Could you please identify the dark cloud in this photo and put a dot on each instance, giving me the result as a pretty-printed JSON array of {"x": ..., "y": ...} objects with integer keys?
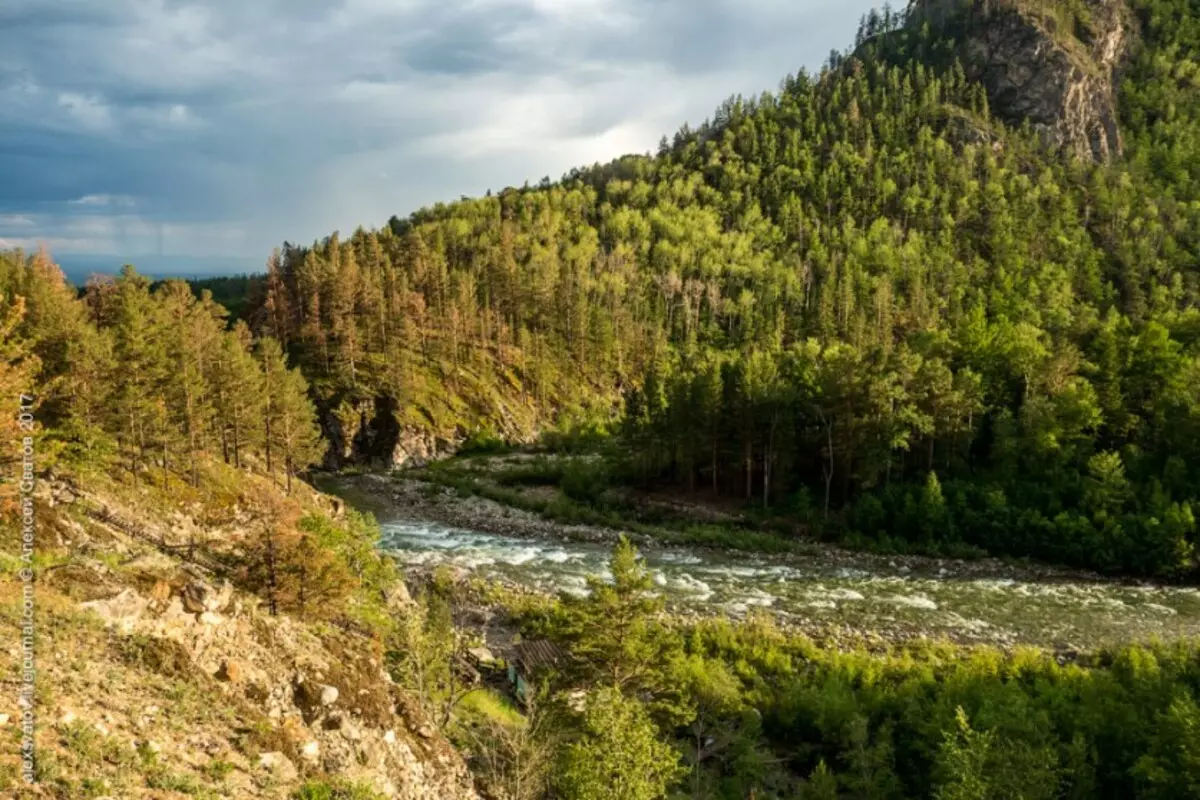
[{"x": 219, "y": 128}]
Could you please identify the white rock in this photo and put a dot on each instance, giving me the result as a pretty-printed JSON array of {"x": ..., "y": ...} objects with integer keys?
[
  {"x": 311, "y": 751},
  {"x": 279, "y": 764},
  {"x": 121, "y": 610},
  {"x": 67, "y": 718},
  {"x": 3, "y": 719},
  {"x": 390, "y": 737},
  {"x": 211, "y": 618},
  {"x": 329, "y": 695}
]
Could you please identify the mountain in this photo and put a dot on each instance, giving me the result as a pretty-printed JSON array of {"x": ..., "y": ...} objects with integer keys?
[
  {"x": 966, "y": 247},
  {"x": 941, "y": 296}
]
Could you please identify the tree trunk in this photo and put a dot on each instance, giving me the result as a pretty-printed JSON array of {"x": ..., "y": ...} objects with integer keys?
[
  {"x": 829, "y": 471},
  {"x": 271, "y": 578}
]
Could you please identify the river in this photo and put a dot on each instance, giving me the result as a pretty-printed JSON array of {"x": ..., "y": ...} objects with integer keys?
[{"x": 889, "y": 598}]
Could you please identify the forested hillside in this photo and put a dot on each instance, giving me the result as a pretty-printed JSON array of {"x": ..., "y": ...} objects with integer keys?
[
  {"x": 151, "y": 381},
  {"x": 871, "y": 294}
]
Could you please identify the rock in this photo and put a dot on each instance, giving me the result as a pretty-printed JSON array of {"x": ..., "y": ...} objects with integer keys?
[
  {"x": 329, "y": 695},
  {"x": 426, "y": 731},
  {"x": 122, "y": 610},
  {"x": 481, "y": 655},
  {"x": 161, "y": 592},
  {"x": 279, "y": 765},
  {"x": 310, "y": 751},
  {"x": 67, "y": 718},
  {"x": 199, "y": 597},
  {"x": 211, "y": 618},
  {"x": 390, "y": 736},
  {"x": 399, "y": 598},
  {"x": 231, "y": 671},
  {"x": 1063, "y": 82},
  {"x": 193, "y": 596}
]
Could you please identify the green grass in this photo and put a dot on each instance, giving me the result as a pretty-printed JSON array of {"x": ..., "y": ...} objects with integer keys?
[{"x": 486, "y": 704}]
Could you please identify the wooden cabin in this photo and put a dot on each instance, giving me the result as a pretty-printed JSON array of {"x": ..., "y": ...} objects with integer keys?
[{"x": 528, "y": 659}]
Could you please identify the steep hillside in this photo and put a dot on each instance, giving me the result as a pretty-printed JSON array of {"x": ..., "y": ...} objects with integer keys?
[
  {"x": 957, "y": 268},
  {"x": 159, "y": 677}
]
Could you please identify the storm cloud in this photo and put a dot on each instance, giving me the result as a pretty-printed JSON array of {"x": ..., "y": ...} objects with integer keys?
[{"x": 166, "y": 129}]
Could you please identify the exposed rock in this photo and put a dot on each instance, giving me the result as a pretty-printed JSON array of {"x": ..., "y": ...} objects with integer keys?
[
  {"x": 160, "y": 592},
  {"x": 232, "y": 671},
  {"x": 122, "y": 610},
  {"x": 279, "y": 765},
  {"x": 329, "y": 695},
  {"x": 481, "y": 655},
  {"x": 417, "y": 448},
  {"x": 311, "y": 751},
  {"x": 399, "y": 598},
  {"x": 198, "y": 597},
  {"x": 1062, "y": 82}
]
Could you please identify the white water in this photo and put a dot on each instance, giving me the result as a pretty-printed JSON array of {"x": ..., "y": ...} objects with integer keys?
[{"x": 992, "y": 609}]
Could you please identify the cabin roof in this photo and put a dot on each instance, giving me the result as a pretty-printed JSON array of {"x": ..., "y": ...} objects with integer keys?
[{"x": 537, "y": 654}]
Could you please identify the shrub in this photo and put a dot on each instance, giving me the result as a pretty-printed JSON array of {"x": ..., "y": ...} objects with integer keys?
[
  {"x": 585, "y": 481},
  {"x": 337, "y": 790},
  {"x": 483, "y": 443}
]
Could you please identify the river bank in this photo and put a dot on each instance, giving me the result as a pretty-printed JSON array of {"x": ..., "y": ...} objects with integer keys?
[{"x": 836, "y": 596}]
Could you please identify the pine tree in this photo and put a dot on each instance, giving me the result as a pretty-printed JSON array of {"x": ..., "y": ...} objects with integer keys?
[{"x": 290, "y": 432}]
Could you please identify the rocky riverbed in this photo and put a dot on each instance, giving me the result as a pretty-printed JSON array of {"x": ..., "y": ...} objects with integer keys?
[{"x": 830, "y": 593}]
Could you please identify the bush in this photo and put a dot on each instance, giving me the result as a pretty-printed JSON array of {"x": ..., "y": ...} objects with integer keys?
[
  {"x": 585, "y": 481},
  {"x": 483, "y": 443},
  {"x": 338, "y": 790}
]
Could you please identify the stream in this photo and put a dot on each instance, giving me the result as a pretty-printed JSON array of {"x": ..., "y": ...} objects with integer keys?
[{"x": 896, "y": 601}]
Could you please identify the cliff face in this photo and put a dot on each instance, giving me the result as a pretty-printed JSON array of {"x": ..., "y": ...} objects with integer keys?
[{"x": 1057, "y": 70}]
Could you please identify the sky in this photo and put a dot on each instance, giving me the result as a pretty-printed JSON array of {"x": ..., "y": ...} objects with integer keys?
[{"x": 193, "y": 137}]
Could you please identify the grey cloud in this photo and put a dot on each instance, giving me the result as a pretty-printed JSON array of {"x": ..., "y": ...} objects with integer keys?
[{"x": 241, "y": 123}]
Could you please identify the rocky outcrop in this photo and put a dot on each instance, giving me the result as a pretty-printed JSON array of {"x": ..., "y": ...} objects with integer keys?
[
  {"x": 329, "y": 696},
  {"x": 369, "y": 434},
  {"x": 272, "y": 701},
  {"x": 1063, "y": 82}
]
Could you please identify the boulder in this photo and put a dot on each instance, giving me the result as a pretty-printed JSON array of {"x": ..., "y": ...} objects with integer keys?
[
  {"x": 199, "y": 597},
  {"x": 231, "y": 671},
  {"x": 161, "y": 592},
  {"x": 122, "y": 610},
  {"x": 278, "y": 765},
  {"x": 310, "y": 751}
]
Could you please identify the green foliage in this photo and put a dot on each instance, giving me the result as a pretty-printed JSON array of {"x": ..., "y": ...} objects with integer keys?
[
  {"x": 585, "y": 481},
  {"x": 613, "y": 631},
  {"x": 618, "y": 753},
  {"x": 354, "y": 542},
  {"x": 483, "y": 442},
  {"x": 151, "y": 378},
  {"x": 336, "y": 790},
  {"x": 424, "y": 652}
]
